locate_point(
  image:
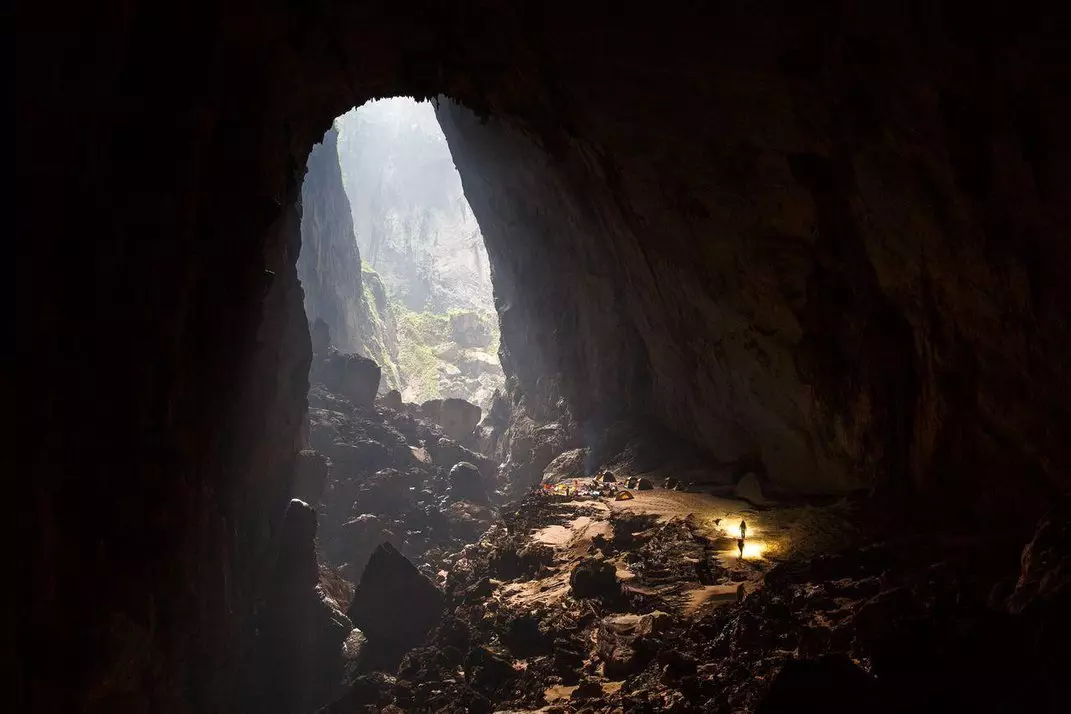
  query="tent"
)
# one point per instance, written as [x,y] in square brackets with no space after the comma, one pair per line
[624,496]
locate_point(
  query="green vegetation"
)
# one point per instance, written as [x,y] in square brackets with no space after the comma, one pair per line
[418,333]
[377,348]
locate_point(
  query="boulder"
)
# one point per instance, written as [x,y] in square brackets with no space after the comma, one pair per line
[565,466]
[354,377]
[394,604]
[457,417]
[447,453]
[594,578]
[391,400]
[466,483]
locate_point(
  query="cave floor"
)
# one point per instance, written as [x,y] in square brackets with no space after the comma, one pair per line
[774,534]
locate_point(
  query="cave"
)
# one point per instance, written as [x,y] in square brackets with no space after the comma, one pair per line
[822,246]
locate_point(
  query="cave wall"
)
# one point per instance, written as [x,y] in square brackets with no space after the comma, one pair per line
[831,241]
[834,235]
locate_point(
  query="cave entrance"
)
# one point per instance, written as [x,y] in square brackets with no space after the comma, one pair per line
[393,260]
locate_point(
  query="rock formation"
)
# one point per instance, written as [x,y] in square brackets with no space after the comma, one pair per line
[350,304]
[330,265]
[829,237]
[301,630]
[457,417]
[394,604]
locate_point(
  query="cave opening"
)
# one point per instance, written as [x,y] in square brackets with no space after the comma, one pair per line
[393,261]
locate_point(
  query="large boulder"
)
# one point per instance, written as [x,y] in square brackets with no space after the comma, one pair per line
[466,483]
[568,465]
[447,453]
[457,417]
[391,400]
[354,377]
[394,604]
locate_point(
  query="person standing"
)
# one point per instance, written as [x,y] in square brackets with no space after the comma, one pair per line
[743,530]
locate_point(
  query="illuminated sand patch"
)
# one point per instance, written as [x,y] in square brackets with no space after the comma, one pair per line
[753,550]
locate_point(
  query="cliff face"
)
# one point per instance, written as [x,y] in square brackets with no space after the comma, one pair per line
[830,234]
[330,263]
[413,224]
[354,308]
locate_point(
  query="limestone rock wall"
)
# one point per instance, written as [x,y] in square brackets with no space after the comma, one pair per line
[330,264]
[352,304]
[829,243]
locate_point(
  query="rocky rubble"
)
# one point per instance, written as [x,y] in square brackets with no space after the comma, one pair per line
[898,625]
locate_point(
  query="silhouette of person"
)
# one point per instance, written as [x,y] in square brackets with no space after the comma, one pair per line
[740,545]
[743,530]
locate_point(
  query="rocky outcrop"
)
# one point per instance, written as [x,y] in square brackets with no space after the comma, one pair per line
[351,376]
[467,484]
[329,265]
[457,417]
[302,628]
[394,605]
[349,302]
